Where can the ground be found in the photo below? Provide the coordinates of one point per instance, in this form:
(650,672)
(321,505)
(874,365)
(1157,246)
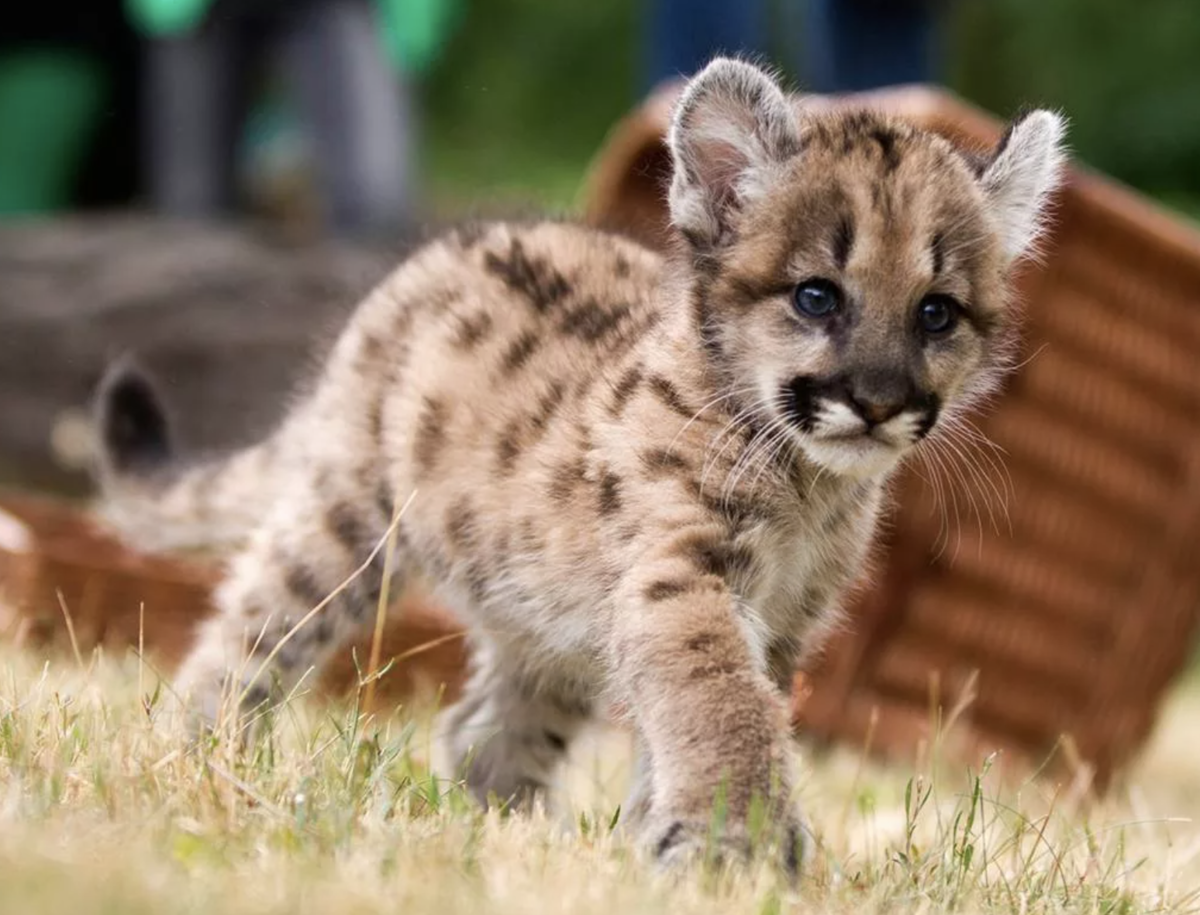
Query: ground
(104,809)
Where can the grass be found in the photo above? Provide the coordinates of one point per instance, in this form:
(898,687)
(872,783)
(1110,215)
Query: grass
(103,808)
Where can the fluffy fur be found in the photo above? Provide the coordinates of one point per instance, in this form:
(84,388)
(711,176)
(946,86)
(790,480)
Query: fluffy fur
(639,480)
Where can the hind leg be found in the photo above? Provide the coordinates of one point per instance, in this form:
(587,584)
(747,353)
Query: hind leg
(508,735)
(265,637)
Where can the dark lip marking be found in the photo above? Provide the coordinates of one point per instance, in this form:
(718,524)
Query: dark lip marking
(929,418)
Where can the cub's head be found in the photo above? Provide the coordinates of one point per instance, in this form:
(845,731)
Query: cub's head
(850,270)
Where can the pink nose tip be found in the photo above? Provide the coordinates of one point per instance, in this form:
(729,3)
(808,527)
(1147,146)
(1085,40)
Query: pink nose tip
(879,412)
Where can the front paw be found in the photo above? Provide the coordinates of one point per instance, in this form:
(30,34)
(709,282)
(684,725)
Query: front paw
(679,842)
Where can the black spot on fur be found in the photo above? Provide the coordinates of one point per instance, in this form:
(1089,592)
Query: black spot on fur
(348,529)
(508,447)
(533,278)
(375,419)
(715,555)
(322,629)
(660,460)
(704,641)
(256,697)
(713,670)
(621,268)
(670,396)
(843,242)
(556,741)
(548,406)
(304,586)
(566,478)
(385,501)
(460,523)
(590,321)
(889,154)
(731,507)
(669,839)
(133,423)
(520,350)
(625,389)
(937,248)
(610,493)
(471,330)
(430,436)
(664,590)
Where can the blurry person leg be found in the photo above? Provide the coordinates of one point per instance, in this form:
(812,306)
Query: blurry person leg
(854,45)
(359,111)
(683,35)
(194,103)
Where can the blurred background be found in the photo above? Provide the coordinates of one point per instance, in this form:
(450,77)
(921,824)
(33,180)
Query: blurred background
(505,101)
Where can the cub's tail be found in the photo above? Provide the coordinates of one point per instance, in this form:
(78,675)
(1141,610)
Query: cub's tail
(154,500)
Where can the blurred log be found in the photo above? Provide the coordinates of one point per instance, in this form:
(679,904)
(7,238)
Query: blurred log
(226,318)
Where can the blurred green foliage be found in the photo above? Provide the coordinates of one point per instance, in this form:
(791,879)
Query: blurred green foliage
(527,89)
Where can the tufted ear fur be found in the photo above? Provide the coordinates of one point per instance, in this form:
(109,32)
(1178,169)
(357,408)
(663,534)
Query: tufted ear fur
(1024,172)
(731,130)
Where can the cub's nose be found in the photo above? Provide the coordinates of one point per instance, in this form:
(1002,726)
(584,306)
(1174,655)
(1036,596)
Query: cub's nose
(879,395)
(877,411)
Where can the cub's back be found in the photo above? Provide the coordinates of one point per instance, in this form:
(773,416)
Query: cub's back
(477,358)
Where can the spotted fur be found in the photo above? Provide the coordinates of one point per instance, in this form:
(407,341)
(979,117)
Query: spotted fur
(639,480)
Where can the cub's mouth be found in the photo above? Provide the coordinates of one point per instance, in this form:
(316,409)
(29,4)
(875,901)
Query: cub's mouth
(843,431)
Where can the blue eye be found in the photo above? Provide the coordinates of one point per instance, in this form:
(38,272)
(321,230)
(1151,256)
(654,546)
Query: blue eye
(937,314)
(817,298)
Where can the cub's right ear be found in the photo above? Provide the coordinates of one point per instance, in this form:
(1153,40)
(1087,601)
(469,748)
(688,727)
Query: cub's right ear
(1023,174)
(731,130)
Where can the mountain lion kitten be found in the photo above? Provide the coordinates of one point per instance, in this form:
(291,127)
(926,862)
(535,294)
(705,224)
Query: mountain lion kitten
(640,481)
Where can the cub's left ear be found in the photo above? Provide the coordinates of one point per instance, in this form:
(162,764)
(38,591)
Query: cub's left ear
(1025,170)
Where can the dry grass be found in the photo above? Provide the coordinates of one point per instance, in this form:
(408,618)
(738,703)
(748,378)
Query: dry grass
(103,809)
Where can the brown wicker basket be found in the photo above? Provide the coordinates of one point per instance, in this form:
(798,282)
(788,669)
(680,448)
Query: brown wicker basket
(1070,618)
(63,579)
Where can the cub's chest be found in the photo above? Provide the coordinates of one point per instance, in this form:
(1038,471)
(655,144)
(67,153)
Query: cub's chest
(807,559)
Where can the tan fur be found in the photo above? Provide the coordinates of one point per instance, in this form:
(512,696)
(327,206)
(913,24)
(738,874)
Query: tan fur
(605,478)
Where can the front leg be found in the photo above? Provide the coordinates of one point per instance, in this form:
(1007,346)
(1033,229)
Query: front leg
(695,680)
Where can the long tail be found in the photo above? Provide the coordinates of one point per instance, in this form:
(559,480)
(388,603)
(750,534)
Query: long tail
(152,499)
